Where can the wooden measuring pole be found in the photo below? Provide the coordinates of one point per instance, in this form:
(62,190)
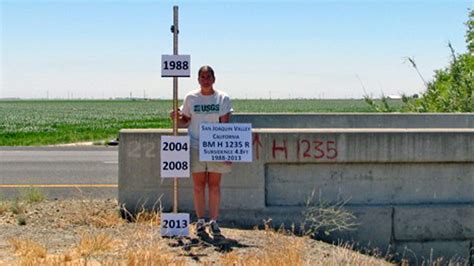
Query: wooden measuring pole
(175,100)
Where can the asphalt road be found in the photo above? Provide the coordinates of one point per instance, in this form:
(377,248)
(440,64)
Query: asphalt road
(60,172)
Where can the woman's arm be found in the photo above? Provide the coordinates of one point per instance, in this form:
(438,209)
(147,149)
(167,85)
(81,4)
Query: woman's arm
(225,119)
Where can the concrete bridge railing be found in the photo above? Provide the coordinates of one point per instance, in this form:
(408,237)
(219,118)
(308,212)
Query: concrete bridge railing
(355,120)
(410,188)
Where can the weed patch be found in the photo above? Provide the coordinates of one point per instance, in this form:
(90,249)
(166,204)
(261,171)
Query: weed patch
(323,217)
(32,195)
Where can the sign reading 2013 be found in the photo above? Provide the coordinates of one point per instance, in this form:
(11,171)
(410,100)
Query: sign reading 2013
(225,142)
(174,224)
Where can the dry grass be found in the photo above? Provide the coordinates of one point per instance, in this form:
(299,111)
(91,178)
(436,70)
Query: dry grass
(153,219)
(153,255)
(69,260)
(17,207)
(91,214)
(148,216)
(277,250)
(343,254)
(33,253)
(95,244)
(52,260)
(409,255)
(282,247)
(106,239)
(27,248)
(4,207)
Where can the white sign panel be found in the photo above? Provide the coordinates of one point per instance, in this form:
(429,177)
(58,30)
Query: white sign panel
(175,65)
(223,142)
(175,156)
(174,224)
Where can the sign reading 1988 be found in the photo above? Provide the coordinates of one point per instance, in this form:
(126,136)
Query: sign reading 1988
(175,65)
(175,156)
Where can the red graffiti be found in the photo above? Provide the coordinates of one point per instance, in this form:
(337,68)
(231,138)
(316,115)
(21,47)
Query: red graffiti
(317,149)
(257,144)
(298,149)
(306,153)
(279,148)
(331,147)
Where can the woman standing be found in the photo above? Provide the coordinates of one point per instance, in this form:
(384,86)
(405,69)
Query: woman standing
(205,105)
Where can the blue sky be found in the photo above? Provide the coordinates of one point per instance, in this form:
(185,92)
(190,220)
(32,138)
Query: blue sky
(259,49)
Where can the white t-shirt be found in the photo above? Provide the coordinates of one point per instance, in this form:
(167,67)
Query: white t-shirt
(204,108)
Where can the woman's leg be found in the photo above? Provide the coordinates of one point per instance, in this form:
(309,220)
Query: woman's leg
(214,194)
(199,193)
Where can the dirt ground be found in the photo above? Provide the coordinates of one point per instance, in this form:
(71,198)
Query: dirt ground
(91,232)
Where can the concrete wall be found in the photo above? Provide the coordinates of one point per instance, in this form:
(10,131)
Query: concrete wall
(412,190)
(355,120)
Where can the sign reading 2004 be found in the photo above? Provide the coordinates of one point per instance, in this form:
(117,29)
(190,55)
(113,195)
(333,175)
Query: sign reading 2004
(223,142)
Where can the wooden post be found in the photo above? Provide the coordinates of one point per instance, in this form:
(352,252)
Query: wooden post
(175,30)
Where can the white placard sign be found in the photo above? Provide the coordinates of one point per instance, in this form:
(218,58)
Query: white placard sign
(222,142)
(175,65)
(174,224)
(174,155)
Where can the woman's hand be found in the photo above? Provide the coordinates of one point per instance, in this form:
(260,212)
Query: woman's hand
(172,114)
(183,121)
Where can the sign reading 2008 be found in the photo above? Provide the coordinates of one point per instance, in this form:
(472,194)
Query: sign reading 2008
(175,156)
(225,142)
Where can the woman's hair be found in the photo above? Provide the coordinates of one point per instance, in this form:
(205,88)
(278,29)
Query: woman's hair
(207,69)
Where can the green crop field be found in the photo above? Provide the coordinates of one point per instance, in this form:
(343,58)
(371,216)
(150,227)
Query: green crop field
(28,122)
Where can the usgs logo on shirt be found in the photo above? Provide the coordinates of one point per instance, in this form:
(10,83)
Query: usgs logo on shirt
(206,108)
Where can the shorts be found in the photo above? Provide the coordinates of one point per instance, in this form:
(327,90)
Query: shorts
(212,167)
